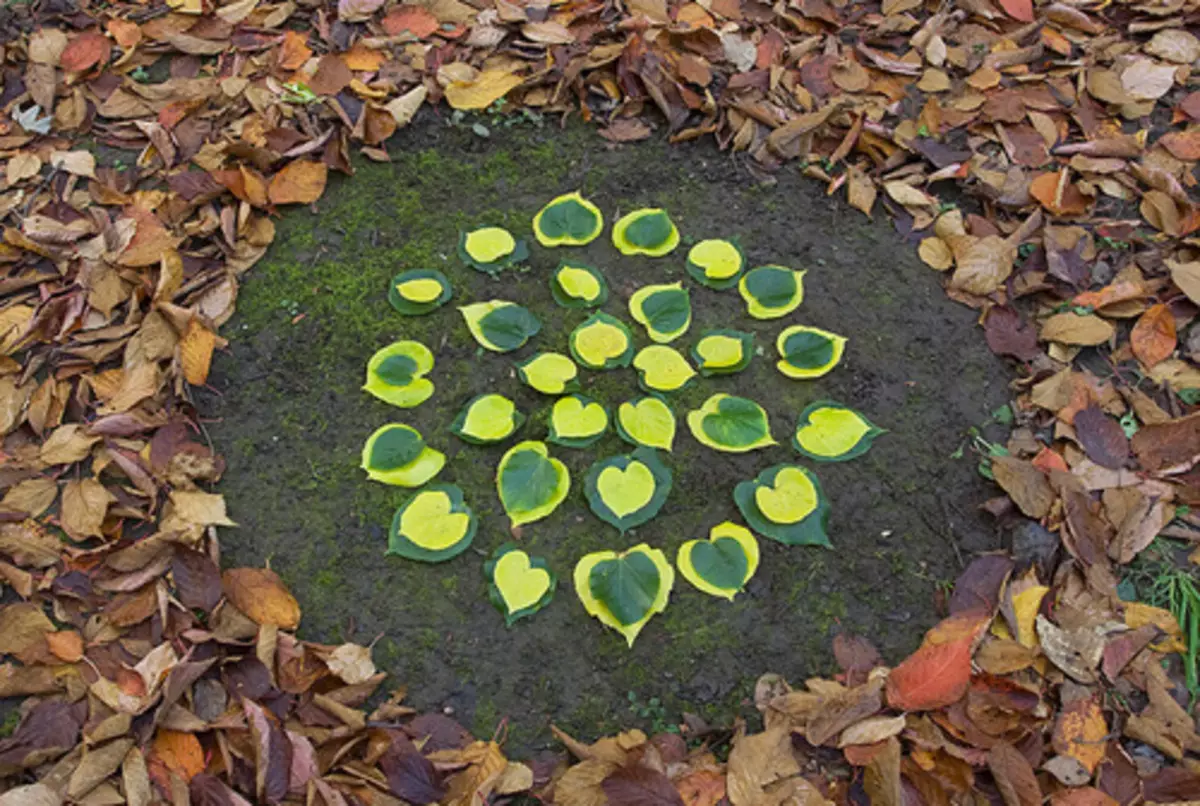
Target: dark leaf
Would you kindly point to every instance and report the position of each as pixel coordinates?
(413, 778)
(1008, 334)
(1102, 438)
(640, 786)
(978, 587)
(197, 579)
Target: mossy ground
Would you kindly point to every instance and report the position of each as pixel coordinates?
(290, 418)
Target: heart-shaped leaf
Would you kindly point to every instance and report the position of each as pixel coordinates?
(731, 424)
(549, 373)
(518, 585)
(662, 369)
(830, 432)
(487, 419)
(628, 490)
(568, 220)
(624, 590)
(491, 249)
(530, 482)
(419, 291)
(723, 352)
(396, 374)
(808, 352)
(785, 503)
(432, 526)
(664, 310)
(500, 326)
(577, 421)
(575, 286)
(649, 231)
(396, 454)
(771, 291)
(723, 564)
(647, 421)
(602, 342)
(716, 263)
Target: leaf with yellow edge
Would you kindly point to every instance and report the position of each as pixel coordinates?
(530, 482)
(723, 352)
(602, 342)
(518, 585)
(432, 526)
(664, 310)
(721, 565)
(628, 490)
(716, 263)
(568, 220)
(419, 291)
(487, 419)
(396, 374)
(577, 286)
(624, 590)
(830, 432)
(808, 352)
(785, 503)
(549, 373)
(491, 249)
(397, 454)
(730, 424)
(649, 231)
(485, 89)
(647, 421)
(500, 326)
(577, 421)
(771, 291)
(662, 369)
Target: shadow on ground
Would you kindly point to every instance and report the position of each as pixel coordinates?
(289, 416)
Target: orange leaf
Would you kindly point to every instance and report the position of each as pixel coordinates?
(195, 352)
(1058, 194)
(1120, 291)
(179, 752)
(701, 788)
(1182, 145)
(362, 58)
(85, 51)
(414, 19)
(300, 182)
(939, 672)
(294, 51)
(125, 33)
(66, 645)
(1081, 732)
(1153, 337)
(1048, 460)
(261, 595)
(1018, 9)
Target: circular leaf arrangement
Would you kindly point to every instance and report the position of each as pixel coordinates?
(622, 589)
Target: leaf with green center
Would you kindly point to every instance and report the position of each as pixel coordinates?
(785, 503)
(723, 564)
(530, 482)
(808, 352)
(396, 454)
(830, 432)
(664, 310)
(577, 421)
(647, 421)
(716, 263)
(771, 291)
(491, 249)
(432, 526)
(649, 231)
(549, 373)
(500, 326)
(396, 373)
(628, 490)
(568, 220)
(730, 424)
(518, 585)
(624, 590)
(662, 369)
(487, 419)
(602, 342)
(578, 286)
(723, 352)
(419, 291)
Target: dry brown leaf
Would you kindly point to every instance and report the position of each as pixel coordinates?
(261, 595)
(1077, 329)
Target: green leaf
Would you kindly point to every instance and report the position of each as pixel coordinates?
(624, 590)
(648, 231)
(730, 424)
(530, 482)
(419, 291)
(664, 310)
(808, 352)
(577, 286)
(723, 564)
(432, 526)
(647, 421)
(662, 369)
(396, 373)
(500, 326)
(716, 263)
(549, 373)
(397, 454)
(518, 585)
(602, 342)
(830, 432)
(577, 421)
(568, 220)
(491, 249)
(723, 352)
(771, 291)
(487, 419)
(628, 490)
(785, 503)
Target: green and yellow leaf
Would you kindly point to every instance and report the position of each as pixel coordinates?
(491, 249)
(785, 503)
(487, 419)
(549, 373)
(664, 310)
(518, 585)
(723, 352)
(716, 263)
(771, 291)
(568, 220)
(602, 342)
(730, 424)
(530, 482)
(396, 374)
(396, 454)
(577, 421)
(500, 326)
(808, 352)
(830, 432)
(433, 526)
(647, 421)
(649, 231)
(662, 369)
(577, 286)
(723, 564)
(628, 490)
(419, 291)
(624, 590)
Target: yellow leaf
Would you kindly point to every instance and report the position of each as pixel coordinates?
(1025, 609)
(195, 352)
(936, 254)
(1138, 614)
(489, 86)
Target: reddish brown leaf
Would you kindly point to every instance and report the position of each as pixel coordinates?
(1018, 9)
(412, 18)
(1153, 337)
(85, 51)
(636, 785)
(1168, 444)
(932, 677)
(1014, 776)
